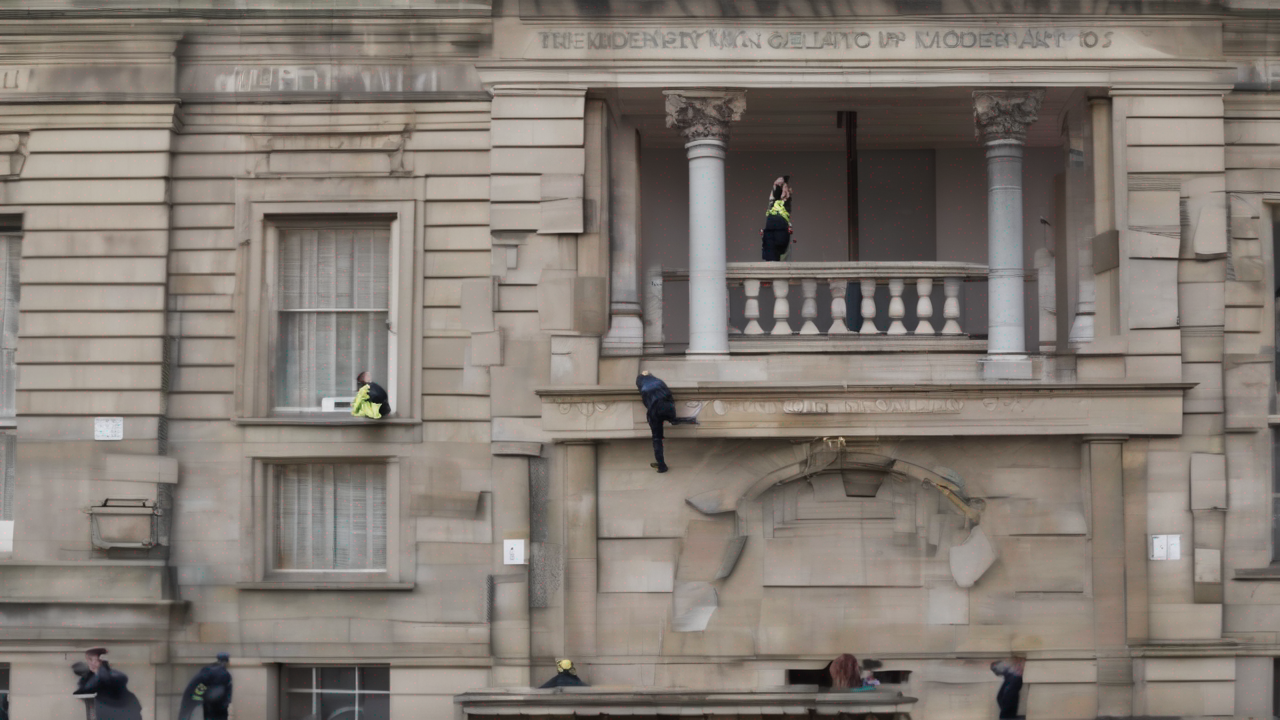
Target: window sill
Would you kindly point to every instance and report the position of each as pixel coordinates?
(339, 586)
(325, 422)
(1271, 573)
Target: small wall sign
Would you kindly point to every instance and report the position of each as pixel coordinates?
(108, 428)
(1166, 547)
(513, 552)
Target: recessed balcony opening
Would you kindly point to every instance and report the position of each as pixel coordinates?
(921, 196)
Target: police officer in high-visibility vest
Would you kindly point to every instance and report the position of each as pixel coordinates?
(776, 236)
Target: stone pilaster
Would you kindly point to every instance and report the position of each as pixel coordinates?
(703, 118)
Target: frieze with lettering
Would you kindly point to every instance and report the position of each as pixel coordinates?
(843, 42)
(663, 39)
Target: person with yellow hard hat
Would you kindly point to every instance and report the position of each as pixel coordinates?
(566, 676)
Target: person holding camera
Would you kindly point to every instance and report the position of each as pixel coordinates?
(776, 236)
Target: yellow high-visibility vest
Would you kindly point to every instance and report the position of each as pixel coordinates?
(779, 207)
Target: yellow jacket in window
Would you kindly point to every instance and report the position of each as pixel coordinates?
(371, 402)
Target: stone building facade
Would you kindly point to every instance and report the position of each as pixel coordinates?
(1012, 395)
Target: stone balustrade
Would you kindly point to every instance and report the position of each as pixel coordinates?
(874, 326)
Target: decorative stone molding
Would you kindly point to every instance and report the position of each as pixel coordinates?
(1004, 114)
(704, 114)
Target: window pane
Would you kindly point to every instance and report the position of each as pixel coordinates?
(319, 352)
(10, 260)
(298, 706)
(297, 678)
(330, 517)
(338, 706)
(375, 707)
(338, 678)
(1275, 529)
(375, 679)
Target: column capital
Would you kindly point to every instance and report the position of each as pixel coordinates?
(1005, 114)
(704, 114)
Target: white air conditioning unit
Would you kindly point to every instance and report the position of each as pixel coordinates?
(336, 404)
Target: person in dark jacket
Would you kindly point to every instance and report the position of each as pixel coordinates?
(1010, 691)
(113, 699)
(566, 676)
(660, 406)
(371, 399)
(209, 690)
(775, 238)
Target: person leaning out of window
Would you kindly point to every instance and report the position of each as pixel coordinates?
(371, 399)
(775, 238)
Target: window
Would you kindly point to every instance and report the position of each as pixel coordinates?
(329, 517)
(337, 693)
(332, 286)
(10, 260)
(333, 313)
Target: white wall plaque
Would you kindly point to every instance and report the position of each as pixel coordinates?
(513, 552)
(6, 536)
(108, 428)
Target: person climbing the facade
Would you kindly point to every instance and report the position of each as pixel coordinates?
(660, 407)
(775, 238)
(371, 400)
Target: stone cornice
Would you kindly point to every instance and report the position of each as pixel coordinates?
(725, 390)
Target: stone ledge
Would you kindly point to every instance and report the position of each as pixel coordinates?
(334, 586)
(518, 702)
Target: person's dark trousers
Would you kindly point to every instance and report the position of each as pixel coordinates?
(775, 239)
(662, 412)
(1007, 697)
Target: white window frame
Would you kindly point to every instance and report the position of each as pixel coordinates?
(259, 269)
(286, 692)
(266, 576)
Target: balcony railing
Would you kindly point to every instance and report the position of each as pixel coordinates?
(883, 325)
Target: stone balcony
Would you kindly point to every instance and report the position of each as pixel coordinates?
(799, 702)
(821, 291)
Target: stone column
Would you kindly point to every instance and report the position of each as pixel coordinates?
(1002, 118)
(1082, 330)
(703, 118)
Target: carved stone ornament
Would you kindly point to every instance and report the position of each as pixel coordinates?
(704, 115)
(1005, 114)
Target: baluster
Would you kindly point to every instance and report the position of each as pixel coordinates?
(924, 306)
(752, 311)
(781, 308)
(728, 309)
(839, 311)
(951, 306)
(868, 307)
(897, 310)
(809, 308)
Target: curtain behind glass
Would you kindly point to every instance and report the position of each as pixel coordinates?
(330, 517)
(333, 310)
(10, 259)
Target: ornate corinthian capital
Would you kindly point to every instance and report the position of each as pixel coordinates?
(1005, 114)
(704, 114)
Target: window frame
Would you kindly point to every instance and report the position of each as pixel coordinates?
(259, 269)
(286, 692)
(266, 576)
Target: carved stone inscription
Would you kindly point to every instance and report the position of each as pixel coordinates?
(1024, 38)
(838, 407)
